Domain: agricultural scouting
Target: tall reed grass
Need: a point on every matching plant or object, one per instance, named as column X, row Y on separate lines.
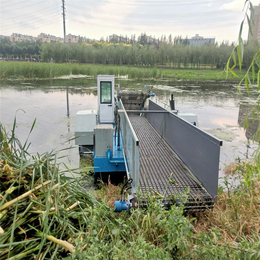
column 30, row 70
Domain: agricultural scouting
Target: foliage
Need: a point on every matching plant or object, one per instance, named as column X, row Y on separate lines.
column 47, row 216
column 202, row 74
column 165, row 54
column 51, row 70
column 168, row 53
column 38, row 206
column 252, row 59
column 27, row 70
column 13, row 69
column 232, row 229
column 18, row 49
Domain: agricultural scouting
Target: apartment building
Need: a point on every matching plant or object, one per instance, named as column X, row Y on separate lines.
column 17, row 37
column 255, row 25
column 198, row 40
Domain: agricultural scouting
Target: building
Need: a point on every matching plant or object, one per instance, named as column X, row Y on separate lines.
column 44, row 37
column 116, row 39
column 72, row 38
column 256, row 25
column 113, row 38
column 17, row 37
column 146, row 39
column 49, row 38
column 198, row 40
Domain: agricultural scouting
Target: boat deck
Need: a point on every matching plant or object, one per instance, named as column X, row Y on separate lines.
column 162, row 172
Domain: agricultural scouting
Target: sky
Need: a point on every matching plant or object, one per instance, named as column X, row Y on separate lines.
column 100, row 18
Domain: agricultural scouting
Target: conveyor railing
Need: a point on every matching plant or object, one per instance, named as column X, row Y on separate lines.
column 197, row 149
column 130, row 147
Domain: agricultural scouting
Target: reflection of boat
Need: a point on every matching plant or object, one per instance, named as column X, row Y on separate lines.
column 248, row 118
column 159, row 153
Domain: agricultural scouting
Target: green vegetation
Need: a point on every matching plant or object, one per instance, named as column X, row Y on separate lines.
column 241, row 55
column 23, row 49
column 175, row 53
column 28, row 70
column 194, row 74
column 12, row 69
column 139, row 59
column 45, row 215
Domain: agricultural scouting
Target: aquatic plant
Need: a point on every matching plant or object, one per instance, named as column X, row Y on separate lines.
column 27, row 70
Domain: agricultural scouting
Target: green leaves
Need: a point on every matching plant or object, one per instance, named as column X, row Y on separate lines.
column 34, row 197
column 237, row 55
column 231, row 69
column 249, row 22
column 258, row 80
column 240, row 47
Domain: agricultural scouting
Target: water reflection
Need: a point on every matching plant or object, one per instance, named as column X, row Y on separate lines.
column 249, row 118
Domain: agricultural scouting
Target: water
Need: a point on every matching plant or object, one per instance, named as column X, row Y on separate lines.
column 55, row 103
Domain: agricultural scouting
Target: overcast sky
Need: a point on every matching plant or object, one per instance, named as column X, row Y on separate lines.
column 100, row 18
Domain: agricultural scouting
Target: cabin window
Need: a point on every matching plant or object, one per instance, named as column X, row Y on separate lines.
column 106, row 92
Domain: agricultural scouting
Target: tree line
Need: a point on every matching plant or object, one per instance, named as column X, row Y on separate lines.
column 163, row 54
column 21, row 49
column 176, row 53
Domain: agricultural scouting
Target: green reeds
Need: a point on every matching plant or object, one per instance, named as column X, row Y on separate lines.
column 28, row 70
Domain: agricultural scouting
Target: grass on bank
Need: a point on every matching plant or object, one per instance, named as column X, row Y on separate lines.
column 28, row 70
column 44, row 215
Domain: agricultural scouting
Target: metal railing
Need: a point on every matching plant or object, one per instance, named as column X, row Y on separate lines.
column 130, row 147
column 196, row 148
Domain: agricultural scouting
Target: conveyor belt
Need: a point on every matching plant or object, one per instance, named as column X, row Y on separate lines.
column 161, row 170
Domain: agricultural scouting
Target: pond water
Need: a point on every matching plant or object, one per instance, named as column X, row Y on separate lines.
column 220, row 108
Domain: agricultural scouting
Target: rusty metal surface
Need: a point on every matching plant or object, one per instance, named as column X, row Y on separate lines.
column 162, row 172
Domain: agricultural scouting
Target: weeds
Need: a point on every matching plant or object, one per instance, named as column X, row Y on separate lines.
column 234, row 224
column 36, row 204
column 44, row 215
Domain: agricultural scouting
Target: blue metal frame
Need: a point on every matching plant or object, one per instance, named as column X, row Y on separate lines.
column 102, row 164
column 112, row 162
